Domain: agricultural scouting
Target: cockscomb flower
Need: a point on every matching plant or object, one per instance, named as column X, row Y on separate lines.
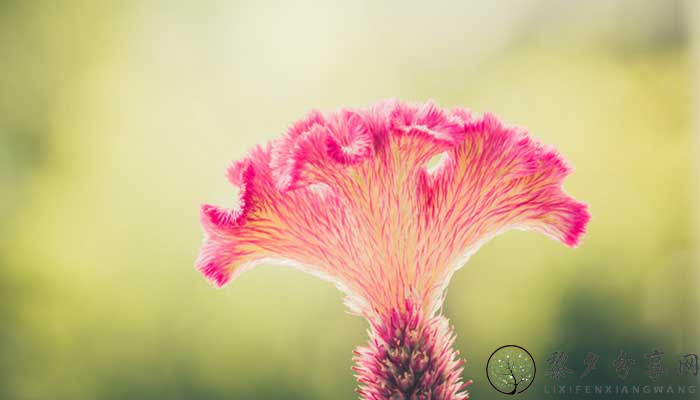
column 358, row 198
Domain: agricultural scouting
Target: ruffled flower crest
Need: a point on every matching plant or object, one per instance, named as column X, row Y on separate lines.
column 350, row 197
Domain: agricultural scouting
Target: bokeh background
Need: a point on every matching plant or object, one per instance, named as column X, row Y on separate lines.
column 117, row 119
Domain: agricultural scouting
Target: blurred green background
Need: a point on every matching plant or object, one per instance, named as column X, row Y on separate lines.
column 117, row 120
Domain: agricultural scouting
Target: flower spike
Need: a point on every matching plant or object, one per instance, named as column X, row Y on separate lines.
column 350, row 197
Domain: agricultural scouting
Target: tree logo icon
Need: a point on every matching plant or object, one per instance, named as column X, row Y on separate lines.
column 511, row 369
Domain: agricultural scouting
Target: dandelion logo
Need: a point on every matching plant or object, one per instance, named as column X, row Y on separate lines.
column 511, row 369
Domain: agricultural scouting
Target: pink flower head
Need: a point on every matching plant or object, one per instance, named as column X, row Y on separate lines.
column 351, row 197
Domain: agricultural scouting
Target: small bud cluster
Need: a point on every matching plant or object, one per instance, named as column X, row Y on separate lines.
column 410, row 358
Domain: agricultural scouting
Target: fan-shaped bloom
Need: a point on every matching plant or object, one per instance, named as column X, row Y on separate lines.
column 353, row 197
